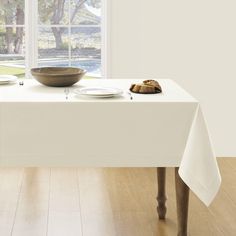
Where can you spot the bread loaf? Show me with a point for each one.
(147, 87)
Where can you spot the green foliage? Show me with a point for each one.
(64, 45)
(46, 8)
(6, 70)
(12, 3)
(8, 10)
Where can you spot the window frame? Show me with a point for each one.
(31, 36)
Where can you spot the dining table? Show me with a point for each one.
(53, 126)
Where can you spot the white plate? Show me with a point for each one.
(6, 79)
(98, 92)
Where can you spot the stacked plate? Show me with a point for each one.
(7, 79)
(98, 92)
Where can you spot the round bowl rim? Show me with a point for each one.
(34, 72)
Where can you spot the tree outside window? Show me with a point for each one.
(69, 34)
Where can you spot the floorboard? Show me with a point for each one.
(106, 202)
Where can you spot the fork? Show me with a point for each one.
(130, 96)
(66, 91)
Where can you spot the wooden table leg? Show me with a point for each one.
(161, 196)
(182, 199)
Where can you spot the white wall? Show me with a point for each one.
(192, 42)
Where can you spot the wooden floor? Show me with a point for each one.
(106, 202)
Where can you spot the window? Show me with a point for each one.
(12, 37)
(50, 33)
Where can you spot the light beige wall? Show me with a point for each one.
(192, 42)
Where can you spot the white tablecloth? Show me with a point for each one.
(39, 127)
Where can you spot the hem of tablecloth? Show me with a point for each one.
(201, 191)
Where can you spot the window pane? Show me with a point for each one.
(12, 51)
(53, 45)
(86, 48)
(85, 12)
(12, 66)
(12, 12)
(54, 12)
(12, 40)
(92, 66)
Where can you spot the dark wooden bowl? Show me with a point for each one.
(58, 76)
